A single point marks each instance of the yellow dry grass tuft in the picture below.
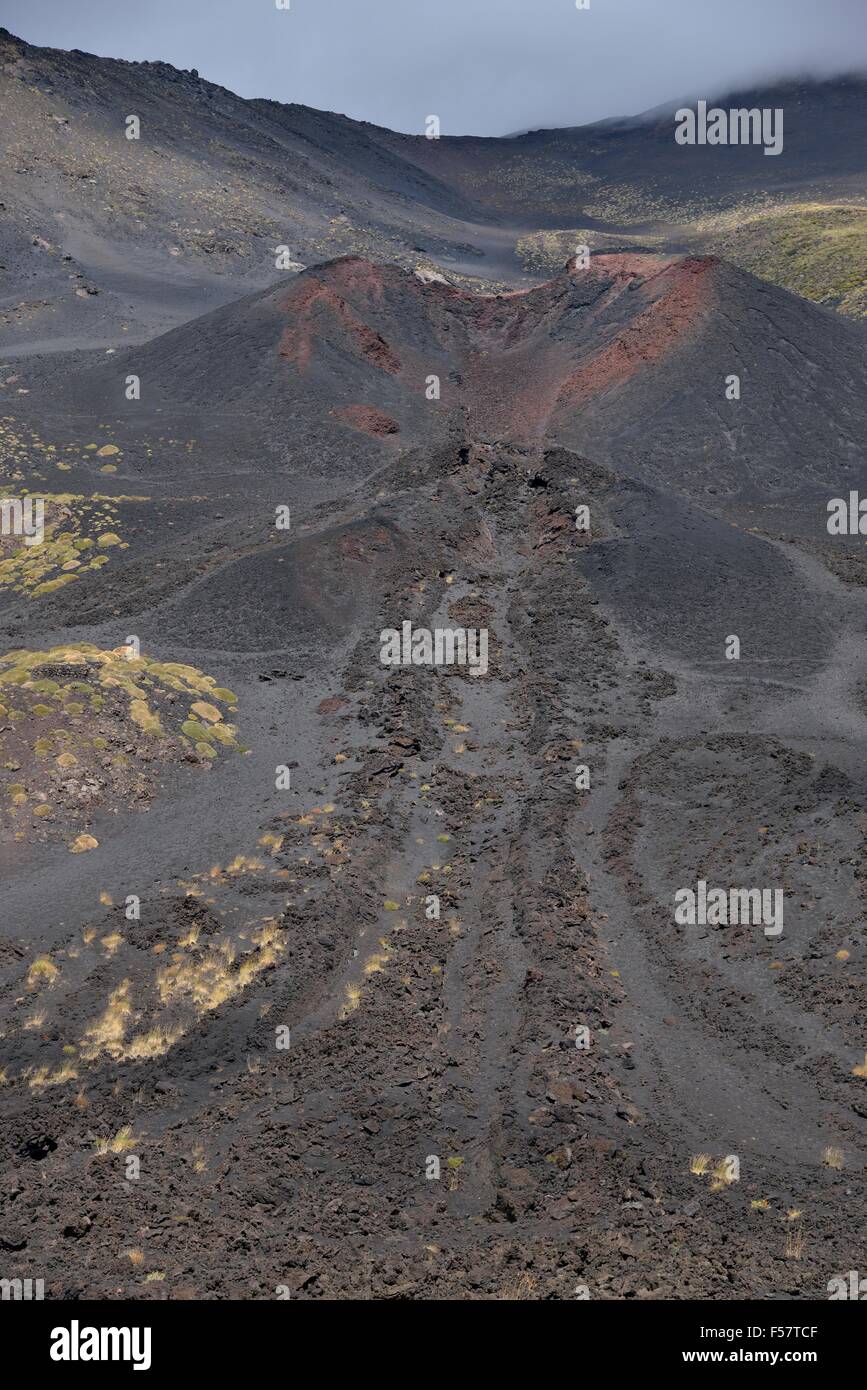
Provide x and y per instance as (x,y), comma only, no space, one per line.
(122,1142)
(42,971)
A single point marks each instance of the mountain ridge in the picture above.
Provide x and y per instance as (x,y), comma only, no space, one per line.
(103,237)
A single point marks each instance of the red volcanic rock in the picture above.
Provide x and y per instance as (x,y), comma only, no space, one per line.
(369,420)
(508,360)
(331,705)
(625,361)
(627,264)
(319,310)
(674,298)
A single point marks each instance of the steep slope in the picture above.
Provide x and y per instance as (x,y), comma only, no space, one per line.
(100,231)
(434,1129)
(106,240)
(634,171)
(629,361)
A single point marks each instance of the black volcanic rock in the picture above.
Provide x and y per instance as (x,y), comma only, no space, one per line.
(627,362)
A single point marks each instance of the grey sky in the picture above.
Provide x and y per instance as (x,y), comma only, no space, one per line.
(484,67)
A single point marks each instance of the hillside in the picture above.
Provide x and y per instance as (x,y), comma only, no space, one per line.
(103,237)
(374,968)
